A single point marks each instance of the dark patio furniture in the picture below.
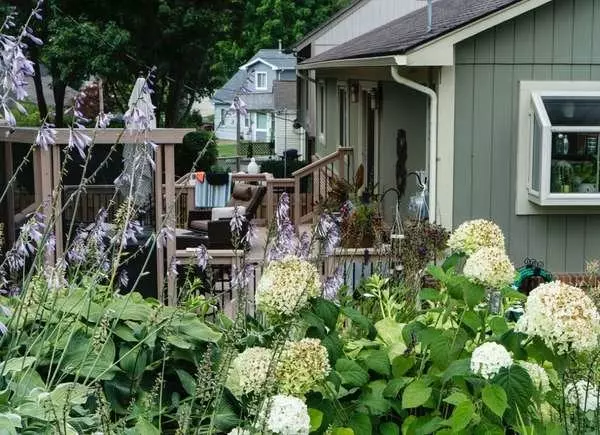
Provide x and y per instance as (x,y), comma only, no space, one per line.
(218,232)
(291,154)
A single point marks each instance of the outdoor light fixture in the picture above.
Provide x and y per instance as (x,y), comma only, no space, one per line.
(374,96)
(354,92)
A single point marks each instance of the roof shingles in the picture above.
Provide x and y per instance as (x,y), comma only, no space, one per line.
(410,31)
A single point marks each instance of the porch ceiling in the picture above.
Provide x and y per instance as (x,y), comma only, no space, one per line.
(27,135)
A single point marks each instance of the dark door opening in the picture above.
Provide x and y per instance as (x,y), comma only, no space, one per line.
(370,139)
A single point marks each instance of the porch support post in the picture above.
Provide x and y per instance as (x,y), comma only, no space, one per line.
(158,217)
(58,224)
(9,200)
(47,187)
(170,218)
(445,183)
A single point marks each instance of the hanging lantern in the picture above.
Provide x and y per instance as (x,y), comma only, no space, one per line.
(396,239)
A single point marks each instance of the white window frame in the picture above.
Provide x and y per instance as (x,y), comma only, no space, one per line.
(257,74)
(528,200)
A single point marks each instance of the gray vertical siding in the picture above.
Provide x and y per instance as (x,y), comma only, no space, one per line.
(559,41)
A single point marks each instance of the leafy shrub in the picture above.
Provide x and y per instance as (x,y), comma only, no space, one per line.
(199,147)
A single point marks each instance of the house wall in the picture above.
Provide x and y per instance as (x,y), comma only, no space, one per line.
(362,19)
(288,74)
(224,123)
(555,42)
(261,67)
(286,136)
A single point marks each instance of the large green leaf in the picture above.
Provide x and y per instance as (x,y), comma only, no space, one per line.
(390,331)
(352,373)
(15,365)
(373,398)
(187,381)
(389,429)
(361,424)
(95,361)
(462,416)
(192,327)
(316,419)
(342,431)
(494,397)
(416,394)
(473,294)
(394,387)
(456,368)
(376,360)
(360,320)
(133,360)
(327,311)
(518,387)
(402,364)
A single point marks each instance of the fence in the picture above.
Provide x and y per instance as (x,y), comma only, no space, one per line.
(357,264)
(256,148)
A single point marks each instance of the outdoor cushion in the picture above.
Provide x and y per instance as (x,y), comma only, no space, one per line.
(199,225)
(226,212)
(241,192)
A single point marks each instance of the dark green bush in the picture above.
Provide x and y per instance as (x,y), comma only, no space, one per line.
(276,167)
(193,144)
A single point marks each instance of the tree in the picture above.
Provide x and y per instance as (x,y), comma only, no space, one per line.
(268,21)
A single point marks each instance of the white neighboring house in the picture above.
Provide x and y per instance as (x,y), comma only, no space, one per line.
(267,86)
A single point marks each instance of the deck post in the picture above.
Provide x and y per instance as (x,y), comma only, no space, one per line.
(158,216)
(170,205)
(47,188)
(9,200)
(297,202)
(58,223)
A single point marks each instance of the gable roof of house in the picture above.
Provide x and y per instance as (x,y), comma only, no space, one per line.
(239,80)
(306,38)
(411,31)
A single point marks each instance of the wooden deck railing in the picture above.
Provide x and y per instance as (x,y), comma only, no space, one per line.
(315,179)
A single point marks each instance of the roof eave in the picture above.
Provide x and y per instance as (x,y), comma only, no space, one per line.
(375,61)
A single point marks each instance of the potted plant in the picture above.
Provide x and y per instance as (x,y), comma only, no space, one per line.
(562,176)
(585,177)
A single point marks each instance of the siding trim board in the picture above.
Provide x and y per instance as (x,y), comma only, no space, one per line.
(558,41)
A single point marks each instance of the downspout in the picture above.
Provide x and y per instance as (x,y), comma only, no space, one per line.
(433,121)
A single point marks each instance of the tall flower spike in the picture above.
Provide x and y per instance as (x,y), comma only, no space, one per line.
(202,257)
(333,284)
(46,136)
(329,233)
(237,222)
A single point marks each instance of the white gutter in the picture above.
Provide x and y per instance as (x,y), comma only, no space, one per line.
(433,125)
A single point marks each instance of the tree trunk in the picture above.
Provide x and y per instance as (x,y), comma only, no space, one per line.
(39,91)
(173,100)
(59,89)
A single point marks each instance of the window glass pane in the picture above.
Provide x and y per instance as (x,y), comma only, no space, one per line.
(574,111)
(536,154)
(261,80)
(574,163)
(261,121)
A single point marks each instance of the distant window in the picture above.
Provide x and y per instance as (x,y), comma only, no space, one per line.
(261,81)
(247,121)
(343,113)
(261,121)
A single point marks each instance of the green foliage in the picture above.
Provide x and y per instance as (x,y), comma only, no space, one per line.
(198,152)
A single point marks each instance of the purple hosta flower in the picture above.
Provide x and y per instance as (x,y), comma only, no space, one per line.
(77,254)
(46,136)
(165,234)
(123,278)
(103,119)
(329,233)
(240,278)
(304,246)
(332,284)
(8,116)
(173,267)
(131,231)
(78,140)
(282,213)
(285,242)
(251,234)
(55,276)
(50,243)
(3,329)
(237,222)
(202,257)
(138,120)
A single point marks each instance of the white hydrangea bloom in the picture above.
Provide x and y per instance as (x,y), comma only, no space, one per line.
(285,415)
(239,431)
(583,394)
(302,365)
(249,371)
(538,376)
(563,316)
(473,235)
(489,358)
(286,286)
(490,267)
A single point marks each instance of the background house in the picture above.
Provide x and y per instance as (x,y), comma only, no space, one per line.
(482,93)
(267,86)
